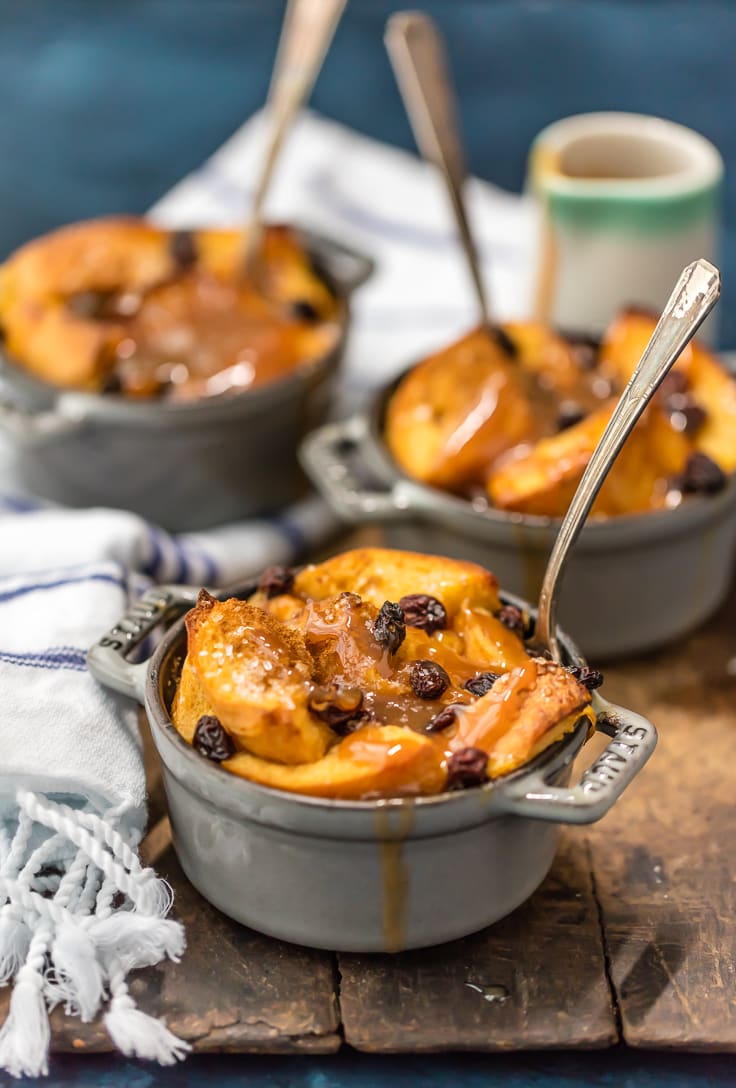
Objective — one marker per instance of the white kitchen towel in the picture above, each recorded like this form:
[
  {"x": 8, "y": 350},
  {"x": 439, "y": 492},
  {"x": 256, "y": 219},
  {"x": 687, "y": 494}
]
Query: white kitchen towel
[
  {"x": 77, "y": 910},
  {"x": 389, "y": 205}
]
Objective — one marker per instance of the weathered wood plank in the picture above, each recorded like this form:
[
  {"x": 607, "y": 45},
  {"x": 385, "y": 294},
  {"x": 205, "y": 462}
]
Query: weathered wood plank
[
  {"x": 664, "y": 858},
  {"x": 234, "y": 990},
  {"x": 534, "y": 980}
]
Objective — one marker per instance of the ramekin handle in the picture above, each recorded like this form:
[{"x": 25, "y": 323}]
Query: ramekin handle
[
  {"x": 108, "y": 659},
  {"x": 633, "y": 740},
  {"x": 347, "y": 267},
  {"x": 328, "y": 456},
  {"x": 34, "y": 428}
]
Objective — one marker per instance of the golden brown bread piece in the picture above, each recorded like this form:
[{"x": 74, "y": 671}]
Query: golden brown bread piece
[
  {"x": 555, "y": 396},
  {"x": 521, "y": 707},
  {"x": 709, "y": 384},
  {"x": 386, "y": 574},
  {"x": 543, "y": 481},
  {"x": 547, "y": 355},
  {"x": 317, "y": 700},
  {"x": 53, "y": 293},
  {"x": 253, "y": 673},
  {"x": 458, "y": 410},
  {"x": 376, "y": 761}
]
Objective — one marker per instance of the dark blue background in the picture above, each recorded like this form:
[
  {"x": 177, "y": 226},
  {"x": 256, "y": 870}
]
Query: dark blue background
[{"x": 104, "y": 106}]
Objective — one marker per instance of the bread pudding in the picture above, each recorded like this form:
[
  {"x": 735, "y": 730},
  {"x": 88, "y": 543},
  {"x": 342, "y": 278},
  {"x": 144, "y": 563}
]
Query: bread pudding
[
  {"x": 374, "y": 674},
  {"x": 121, "y": 306},
  {"x": 509, "y": 418}
]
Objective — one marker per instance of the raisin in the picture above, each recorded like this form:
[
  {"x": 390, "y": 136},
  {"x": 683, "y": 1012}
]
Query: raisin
[
  {"x": 569, "y": 414},
  {"x": 276, "y": 581},
  {"x": 482, "y": 683},
  {"x": 589, "y": 678},
  {"x": 466, "y": 767},
  {"x": 521, "y": 623},
  {"x": 428, "y": 680},
  {"x": 421, "y": 610},
  {"x": 702, "y": 476},
  {"x": 302, "y": 310},
  {"x": 504, "y": 341},
  {"x": 443, "y": 720},
  {"x": 183, "y": 248},
  {"x": 673, "y": 384},
  {"x": 686, "y": 415},
  {"x": 339, "y": 707},
  {"x": 211, "y": 740},
  {"x": 112, "y": 383},
  {"x": 89, "y": 305},
  {"x": 389, "y": 629}
]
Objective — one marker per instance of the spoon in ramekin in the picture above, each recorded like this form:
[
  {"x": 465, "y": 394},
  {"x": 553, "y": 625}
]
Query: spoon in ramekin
[
  {"x": 694, "y": 296},
  {"x": 419, "y": 61},
  {"x": 308, "y": 29}
]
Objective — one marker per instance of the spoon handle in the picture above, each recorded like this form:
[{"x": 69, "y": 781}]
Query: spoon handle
[
  {"x": 418, "y": 57},
  {"x": 308, "y": 29},
  {"x": 693, "y": 298}
]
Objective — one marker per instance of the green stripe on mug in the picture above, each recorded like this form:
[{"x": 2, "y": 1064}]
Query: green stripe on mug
[{"x": 626, "y": 202}]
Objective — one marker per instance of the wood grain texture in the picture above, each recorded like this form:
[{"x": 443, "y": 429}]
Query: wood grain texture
[
  {"x": 534, "y": 980},
  {"x": 664, "y": 860}
]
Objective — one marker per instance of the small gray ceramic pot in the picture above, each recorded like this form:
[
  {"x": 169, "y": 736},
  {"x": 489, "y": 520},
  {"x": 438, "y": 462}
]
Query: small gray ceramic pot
[
  {"x": 371, "y": 876},
  {"x": 184, "y": 466},
  {"x": 632, "y": 584}
]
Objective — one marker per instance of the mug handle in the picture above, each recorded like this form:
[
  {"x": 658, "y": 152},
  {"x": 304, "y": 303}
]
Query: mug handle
[
  {"x": 633, "y": 739},
  {"x": 108, "y": 658}
]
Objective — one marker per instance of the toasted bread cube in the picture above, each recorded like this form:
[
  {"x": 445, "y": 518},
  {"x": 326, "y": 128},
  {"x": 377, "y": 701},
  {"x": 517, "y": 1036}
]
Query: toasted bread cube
[
  {"x": 710, "y": 385},
  {"x": 254, "y": 672},
  {"x": 543, "y": 481},
  {"x": 384, "y": 574},
  {"x": 456, "y": 412},
  {"x": 374, "y": 761},
  {"x": 514, "y": 716}
]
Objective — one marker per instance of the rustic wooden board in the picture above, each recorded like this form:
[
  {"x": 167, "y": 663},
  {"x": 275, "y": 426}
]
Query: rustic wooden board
[
  {"x": 658, "y": 874},
  {"x": 664, "y": 860},
  {"x": 534, "y": 980}
]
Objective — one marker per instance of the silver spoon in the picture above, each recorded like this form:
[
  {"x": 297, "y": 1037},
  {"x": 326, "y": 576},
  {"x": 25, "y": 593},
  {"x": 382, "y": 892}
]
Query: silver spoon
[
  {"x": 308, "y": 29},
  {"x": 694, "y": 296},
  {"x": 418, "y": 57}
]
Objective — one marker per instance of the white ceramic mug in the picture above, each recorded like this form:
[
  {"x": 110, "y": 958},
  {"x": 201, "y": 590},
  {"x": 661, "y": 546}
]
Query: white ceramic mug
[{"x": 626, "y": 202}]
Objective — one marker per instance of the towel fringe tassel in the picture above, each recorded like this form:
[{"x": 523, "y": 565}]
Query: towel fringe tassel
[{"x": 63, "y": 942}]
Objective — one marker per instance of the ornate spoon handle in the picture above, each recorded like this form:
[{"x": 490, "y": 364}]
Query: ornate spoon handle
[
  {"x": 693, "y": 298},
  {"x": 308, "y": 29},
  {"x": 417, "y": 53}
]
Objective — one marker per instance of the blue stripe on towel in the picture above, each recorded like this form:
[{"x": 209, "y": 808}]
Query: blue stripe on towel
[
  {"x": 292, "y": 531},
  {"x": 56, "y": 657},
  {"x": 16, "y": 504},
  {"x": 33, "y": 587}
]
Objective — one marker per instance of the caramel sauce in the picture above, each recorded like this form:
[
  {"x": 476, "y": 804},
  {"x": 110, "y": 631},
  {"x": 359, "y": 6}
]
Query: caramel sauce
[
  {"x": 480, "y": 725},
  {"x": 406, "y": 759},
  {"x": 199, "y": 336},
  {"x": 394, "y": 875}
]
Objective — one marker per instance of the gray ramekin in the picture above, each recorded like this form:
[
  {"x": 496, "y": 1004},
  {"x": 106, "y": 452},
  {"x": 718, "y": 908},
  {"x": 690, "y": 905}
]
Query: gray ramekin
[
  {"x": 372, "y": 876},
  {"x": 183, "y": 466},
  {"x": 633, "y": 583}
]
